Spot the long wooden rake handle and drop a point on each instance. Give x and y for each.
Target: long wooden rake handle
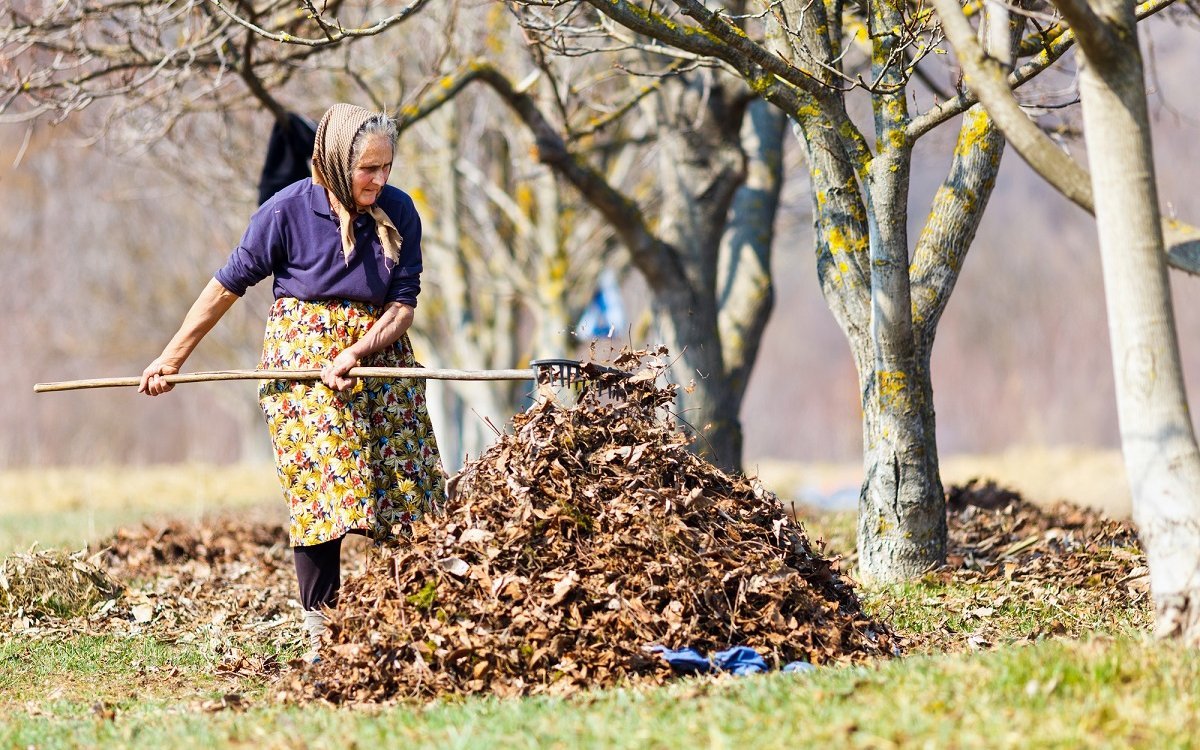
(356, 372)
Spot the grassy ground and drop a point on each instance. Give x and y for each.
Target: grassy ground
(1099, 693)
(1016, 685)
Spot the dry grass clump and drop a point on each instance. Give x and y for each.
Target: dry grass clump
(53, 583)
(573, 544)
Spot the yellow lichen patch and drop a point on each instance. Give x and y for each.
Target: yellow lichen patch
(496, 23)
(808, 110)
(525, 198)
(892, 387)
(840, 243)
(975, 129)
(652, 18)
(924, 297)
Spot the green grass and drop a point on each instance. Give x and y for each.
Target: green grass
(941, 616)
(1116, 690)
(1101, 693)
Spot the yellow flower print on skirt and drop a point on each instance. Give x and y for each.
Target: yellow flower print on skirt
(362, 461)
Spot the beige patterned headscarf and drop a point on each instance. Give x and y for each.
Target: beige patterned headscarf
(333, 170)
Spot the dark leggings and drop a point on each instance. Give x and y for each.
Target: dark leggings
(319, 571)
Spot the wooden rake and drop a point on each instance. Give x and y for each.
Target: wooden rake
(557, 372)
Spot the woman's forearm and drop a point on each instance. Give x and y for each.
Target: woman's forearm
(384, 332)
(392, 324)
(208, 308)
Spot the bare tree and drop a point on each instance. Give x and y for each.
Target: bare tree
(797, 56)
(506, 269)
(675, 229)
(1161, 455)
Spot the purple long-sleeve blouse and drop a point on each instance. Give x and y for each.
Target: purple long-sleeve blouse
(294, 237)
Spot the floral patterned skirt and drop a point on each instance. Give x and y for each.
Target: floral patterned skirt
(361, 461)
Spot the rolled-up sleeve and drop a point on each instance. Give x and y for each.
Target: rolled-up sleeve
(406, 276)
(255, 256)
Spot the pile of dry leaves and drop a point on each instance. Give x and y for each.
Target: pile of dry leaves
(222, 584)
(572, 545)
(53, 583)
(993, 532)
(233, 574)
(1018, 571)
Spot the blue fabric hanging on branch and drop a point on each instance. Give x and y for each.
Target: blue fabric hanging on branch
(605, 314)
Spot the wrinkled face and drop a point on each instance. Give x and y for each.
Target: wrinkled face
(372, 169)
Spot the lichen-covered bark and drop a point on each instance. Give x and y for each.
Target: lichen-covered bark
(887, 306)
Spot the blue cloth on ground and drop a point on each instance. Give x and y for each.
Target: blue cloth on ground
(739, 660)
(684, 660)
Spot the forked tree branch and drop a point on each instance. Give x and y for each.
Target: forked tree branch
(1054, 45)
(334, 31)
(986, 78)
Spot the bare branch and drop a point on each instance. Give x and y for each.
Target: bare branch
(986, 79)
(1093, 33)
(1054, 47)
(335, 32)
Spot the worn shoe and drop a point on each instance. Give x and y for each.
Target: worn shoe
(316, 624)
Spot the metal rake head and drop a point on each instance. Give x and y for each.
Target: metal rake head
(577, 375)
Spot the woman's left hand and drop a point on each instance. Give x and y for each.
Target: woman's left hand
(335, 374)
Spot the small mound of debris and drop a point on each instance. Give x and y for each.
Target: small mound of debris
(230, 573)
(53, 584)
(143, 551)
(996, 533)
(1016, 571)
(573, 544)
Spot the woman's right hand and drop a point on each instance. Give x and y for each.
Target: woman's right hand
(153, 383)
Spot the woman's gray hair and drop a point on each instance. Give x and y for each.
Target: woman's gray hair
(378, 124)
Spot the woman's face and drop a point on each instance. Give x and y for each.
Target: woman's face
(372, 169)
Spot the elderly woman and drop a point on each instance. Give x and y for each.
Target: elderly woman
(344, 248)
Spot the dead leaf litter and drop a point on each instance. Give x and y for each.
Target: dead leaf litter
(586, 535)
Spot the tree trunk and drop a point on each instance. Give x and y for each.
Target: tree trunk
(901, 507)
(1157, 437)
(703, 166)
(746, 295)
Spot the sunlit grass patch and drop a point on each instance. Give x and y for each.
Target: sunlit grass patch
(939, 616)
(1099, 693)
(67, 507)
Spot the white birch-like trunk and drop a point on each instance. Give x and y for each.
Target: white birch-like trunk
(1157, 438)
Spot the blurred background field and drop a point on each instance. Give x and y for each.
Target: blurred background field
(1085, 476)
(70, 506)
